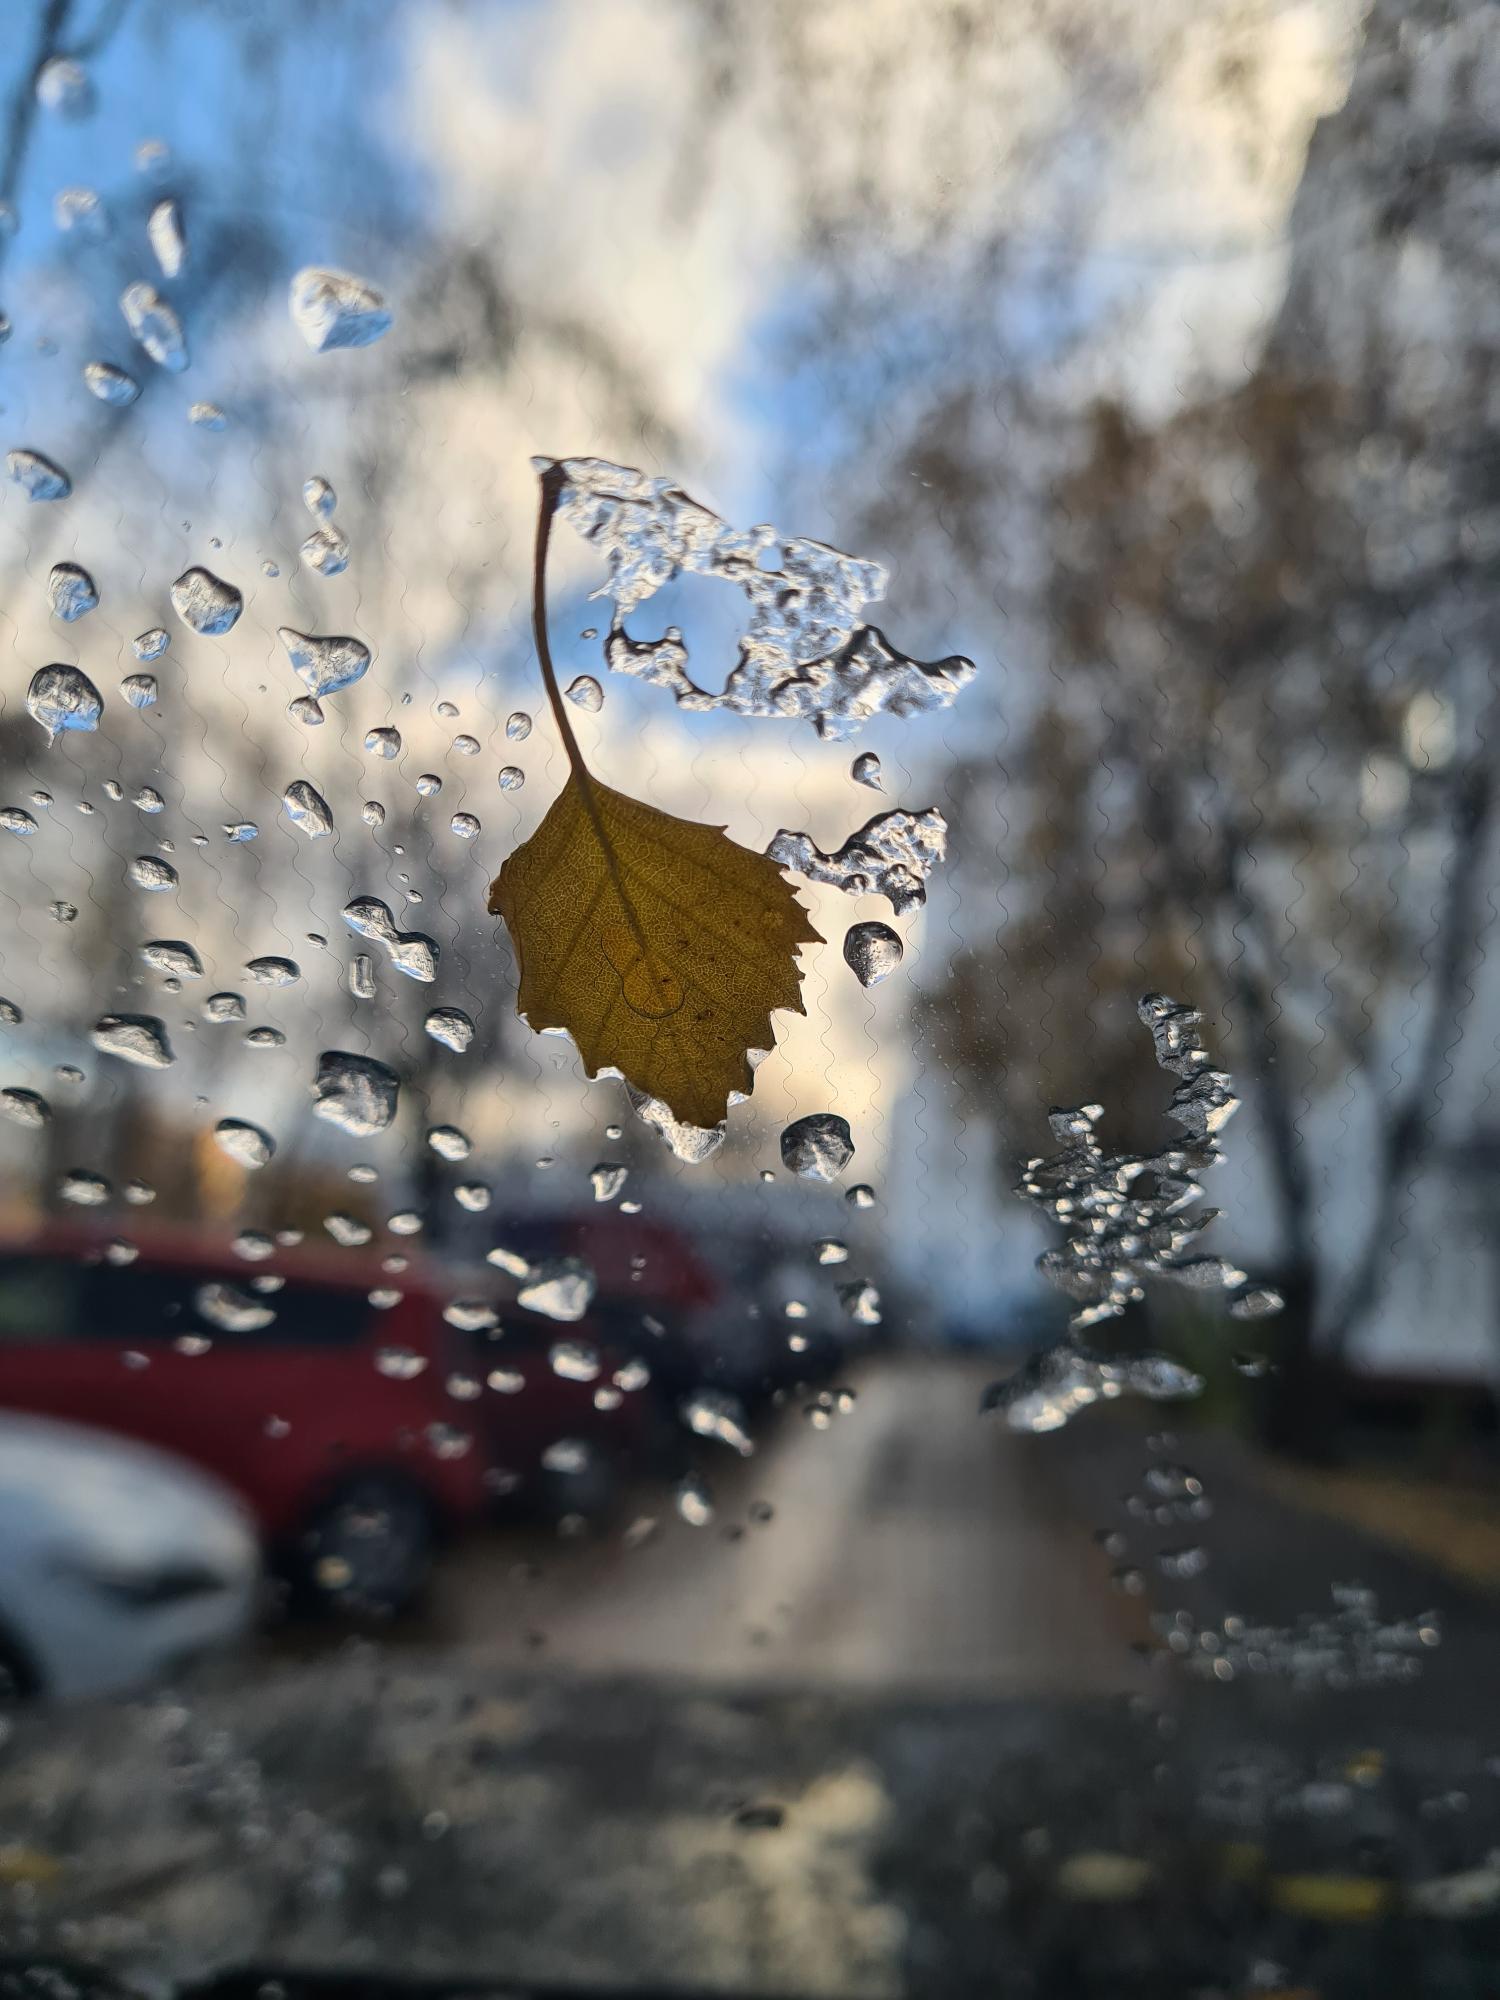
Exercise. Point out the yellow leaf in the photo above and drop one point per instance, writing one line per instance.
(660, 945)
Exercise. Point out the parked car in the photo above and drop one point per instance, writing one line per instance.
(323, 1394)
(118, 1564)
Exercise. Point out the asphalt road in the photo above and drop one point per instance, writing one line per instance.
(910, 1547)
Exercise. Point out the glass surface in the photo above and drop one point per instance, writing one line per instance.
(1016, 1509)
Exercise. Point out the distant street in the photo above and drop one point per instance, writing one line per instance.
(911, 1546)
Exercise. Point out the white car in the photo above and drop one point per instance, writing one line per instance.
(118, 1564)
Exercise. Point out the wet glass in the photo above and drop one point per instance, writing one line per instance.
(748, 1258)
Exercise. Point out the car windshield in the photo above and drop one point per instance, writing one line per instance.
(748, 1044)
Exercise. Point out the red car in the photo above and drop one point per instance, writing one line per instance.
(359, 1426)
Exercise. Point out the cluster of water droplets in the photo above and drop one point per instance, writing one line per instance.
(804, 652)
(891, 855)
(1126, 1221)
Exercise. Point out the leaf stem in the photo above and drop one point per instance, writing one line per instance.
(552, 480)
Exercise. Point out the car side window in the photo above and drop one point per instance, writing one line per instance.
(38, 1300)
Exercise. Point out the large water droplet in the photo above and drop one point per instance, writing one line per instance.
(324, 665)
(347, 1230)
(383, 742)
(273, 971)
(206, 603)
(151, 645)
(244, 1142)
(714, 1413)
(110, 384)
(140, 690)
(24, 1107)
(83, 1188)
(466, 746)
(511, 778)
(332, 309)
(518, 726)
(319, 498)
(561, 1288)
(71, 591)
(306, 710)
(817, 1147)
(151, 874)
(872, 951)
(62, 85)
(607, 1179)
(694, 1501)
(79, 211)
(220, 1007)
(475, 1196)
(326, 550)
(861, 1301)
(165, 234)
(135, 1038)
(155, 326)
(231, 1310)
(429, 784)
(172, 957)
(356, 1093)
(36, 475)
(585, 692)
(451, 1027)
(574, 1361)
(449, 1142)
(62, 698)
(307, 809)
(466, 826)
(411, 952)
(16, 819)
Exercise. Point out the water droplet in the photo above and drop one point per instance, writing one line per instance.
(561, 1288)
(165, 234)
(62, 698)
(307, 710)
(518, 726)
(135, 1038)
(206, 603)
(817, 1147)
(78, 211)
(861, 1301)
(36, 475)
(229, 1309)
(333, 309)
(239, 831)
(429, 784)
(224, 1007)
(449, 1142)
(207, 417)
(511, 779)
(307, 809)
(152, 156)
(151, 645)
(475, 1196)
(607, 1179)
(411, 952)
(71, 592)
(16, 819)
(466, 826)
(326, 551)
(274, 971)
(356, 1093)
(574, 1361)
(347, 1230)
(83, 1188)
(154, 326)
(714, 1413)
(319, 498)
(401, 1364)
(140, 690)
(405, 1222)
(865, 770)
(244, 1142)
(372, 812)
(24, 1107)
(451, 1027)
(62, 85)
(566, 1455)
(265, 1038)
(464, 746)
(694, 1501)
(152, 875)
(110, 384)
(1259, 1302)
(585, 692)
(861, 1195)
(872, 951)
(148, 800)
(325, 665)
(63, 913)
(383, 742)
